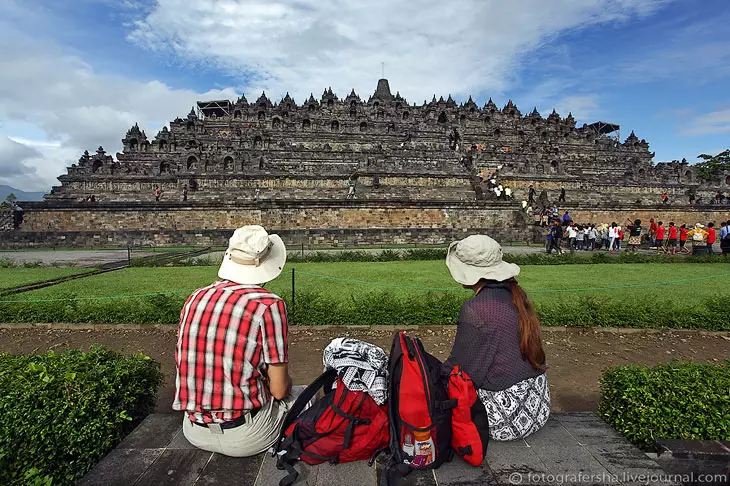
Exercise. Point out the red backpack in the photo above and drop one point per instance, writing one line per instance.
(469, 419)
(419, 410)
(342, 426)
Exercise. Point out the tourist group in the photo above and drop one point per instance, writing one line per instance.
(562, 233)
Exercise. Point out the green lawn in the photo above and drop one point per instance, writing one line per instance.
(408, 274)
(14, 277)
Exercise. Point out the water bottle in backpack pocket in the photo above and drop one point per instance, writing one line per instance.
(419, 411)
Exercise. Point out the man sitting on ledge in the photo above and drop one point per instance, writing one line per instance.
(232, 352)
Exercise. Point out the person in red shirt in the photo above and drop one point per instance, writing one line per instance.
(672, 237)
(660, 231)
(652, 232)
(683, 239)
(711, 237)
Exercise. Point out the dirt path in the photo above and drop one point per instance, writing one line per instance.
(576, 357)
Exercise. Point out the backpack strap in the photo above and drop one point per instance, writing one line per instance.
(324, 381)
(289, 449)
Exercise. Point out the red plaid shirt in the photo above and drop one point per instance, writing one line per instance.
(228, 334)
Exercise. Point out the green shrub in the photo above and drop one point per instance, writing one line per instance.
(385, 307)
(61, 413)
(583, 258)
(671, 401)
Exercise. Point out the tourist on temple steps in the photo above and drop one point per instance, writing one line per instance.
(185, 193)
(498, 340)
(562, 195)
(665, 198)
(157, 193)
(566, 218)
(232, 353)
(531, 195)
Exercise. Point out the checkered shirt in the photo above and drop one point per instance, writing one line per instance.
(228, 334)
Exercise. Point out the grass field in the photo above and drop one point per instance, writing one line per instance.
(399, 278)
(15, 277)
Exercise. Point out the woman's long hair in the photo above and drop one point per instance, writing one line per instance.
(530, 343)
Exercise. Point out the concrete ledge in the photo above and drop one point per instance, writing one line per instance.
(573, 448)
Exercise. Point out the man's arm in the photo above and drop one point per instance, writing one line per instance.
(275, 349)
(280, 382)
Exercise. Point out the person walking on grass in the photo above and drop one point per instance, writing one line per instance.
(571, 233)
(660, 232)
(652, 232)
(232, 352)
(592, 235)
(711, 238)
(634, 235)
(725, 238)
(672, 242)
(498, 340)
(683, 235)
(612, 237)
(579, 238)
(699, 239)
(556, 233)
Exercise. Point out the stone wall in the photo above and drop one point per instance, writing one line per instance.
(591, 193)
(7, 220)
(349, 238)
(326, 223)
(280, 215)
(243, 188)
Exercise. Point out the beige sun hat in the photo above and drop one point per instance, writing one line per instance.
(253, 257)
(478, 257)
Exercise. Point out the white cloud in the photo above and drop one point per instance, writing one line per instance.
(708, 124)
(461, 47)
(74, 107)
(583, 107)
(14, 157)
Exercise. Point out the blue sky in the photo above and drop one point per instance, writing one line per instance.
(74, 75)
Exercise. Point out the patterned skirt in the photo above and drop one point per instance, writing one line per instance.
(635, 240)
(518, 411)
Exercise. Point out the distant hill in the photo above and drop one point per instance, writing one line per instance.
(21, 195)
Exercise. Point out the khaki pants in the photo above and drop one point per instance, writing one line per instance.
(257, 435)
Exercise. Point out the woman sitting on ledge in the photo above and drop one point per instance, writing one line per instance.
(498, 340)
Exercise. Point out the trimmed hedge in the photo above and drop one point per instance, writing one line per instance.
(61, 413)
(580, 258)
(375, 308)
(670, 401)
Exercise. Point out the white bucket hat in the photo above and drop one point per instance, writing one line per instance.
(478, 257)
(253, 257)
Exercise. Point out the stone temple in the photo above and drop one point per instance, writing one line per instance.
(415, 169)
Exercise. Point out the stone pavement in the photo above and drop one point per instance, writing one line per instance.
(78, 258)
(573, 448)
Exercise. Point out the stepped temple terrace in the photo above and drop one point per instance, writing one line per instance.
(354, 170)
